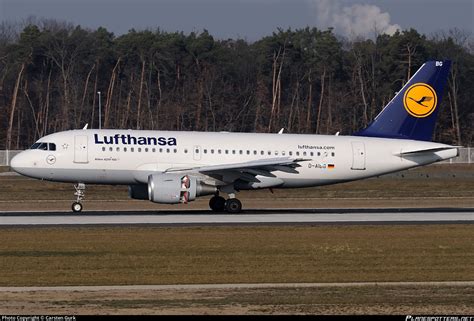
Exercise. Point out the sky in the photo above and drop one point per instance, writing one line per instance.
(251, 19)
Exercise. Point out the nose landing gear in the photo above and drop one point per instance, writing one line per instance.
(80, 194)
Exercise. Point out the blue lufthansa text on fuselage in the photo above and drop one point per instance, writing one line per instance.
(133, 140)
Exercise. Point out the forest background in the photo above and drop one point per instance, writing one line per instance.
(304, 80)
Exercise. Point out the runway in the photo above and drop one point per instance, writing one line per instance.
(248, 217)
(177, 287)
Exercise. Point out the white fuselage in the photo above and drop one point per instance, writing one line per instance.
(128, 157)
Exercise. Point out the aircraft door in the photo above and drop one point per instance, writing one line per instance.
(197, 153)
(358, 156)
(80, 149)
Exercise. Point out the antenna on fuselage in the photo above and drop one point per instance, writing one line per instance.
(85, 127)
(281, 131)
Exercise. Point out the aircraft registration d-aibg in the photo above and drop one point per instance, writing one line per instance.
(175, 167)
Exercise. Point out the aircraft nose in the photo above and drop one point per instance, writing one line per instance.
(15, 162)
(19, 162)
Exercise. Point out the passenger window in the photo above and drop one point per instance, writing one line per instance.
(319, 153)
(132, 149)
(276, 153)
(290, 153)
(103, 149)
(311, 154)
(262, 152)
(118, 149)
(269, 152)
(297, 153)
(248, 152)
(283, 153)
(197, 151)
(125, 149)
(333, 154)
(153, 150)
(304, 153)
(212, 151)
(227, 151)
(139, 149)
(110, 149)
(241, 152)
(219, 151)
(185, 150)
(146, 149)
(255, 152)
(175, 150)
(205, 151)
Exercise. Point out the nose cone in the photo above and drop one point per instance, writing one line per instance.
(31, 163)
(20, 163)
(15, 162)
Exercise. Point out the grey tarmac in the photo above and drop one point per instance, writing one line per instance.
(94, 288)
(256, 217)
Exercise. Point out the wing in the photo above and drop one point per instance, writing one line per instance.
(246, 171)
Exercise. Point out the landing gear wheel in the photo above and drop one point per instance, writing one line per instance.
(217, 204)
(76, 207)
(233, 206)
(80, 194)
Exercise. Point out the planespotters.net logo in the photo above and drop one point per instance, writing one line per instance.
(438, 318)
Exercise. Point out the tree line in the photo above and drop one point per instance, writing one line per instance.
(305, 80)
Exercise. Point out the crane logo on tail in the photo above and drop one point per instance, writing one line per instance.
(420, 100)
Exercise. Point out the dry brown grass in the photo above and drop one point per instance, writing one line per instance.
(156, 255)
(367, 299)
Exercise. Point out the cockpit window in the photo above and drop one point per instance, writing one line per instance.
(43, 146)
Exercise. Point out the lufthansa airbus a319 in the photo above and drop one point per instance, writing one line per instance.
(177, 167)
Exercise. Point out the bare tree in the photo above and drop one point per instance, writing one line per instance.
(13, 105)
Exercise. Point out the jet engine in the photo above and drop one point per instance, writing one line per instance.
(176, 188)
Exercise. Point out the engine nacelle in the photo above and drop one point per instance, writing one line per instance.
(176, 188)
(138, 192)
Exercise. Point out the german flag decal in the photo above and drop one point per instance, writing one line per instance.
(331, 166)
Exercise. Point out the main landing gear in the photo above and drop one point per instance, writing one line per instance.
(219, 204)
(80, 194)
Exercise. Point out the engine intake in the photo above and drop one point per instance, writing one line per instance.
(176, 188)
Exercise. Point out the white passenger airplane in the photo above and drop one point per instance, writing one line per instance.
(177, 167)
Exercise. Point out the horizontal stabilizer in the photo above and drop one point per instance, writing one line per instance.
(426, 150)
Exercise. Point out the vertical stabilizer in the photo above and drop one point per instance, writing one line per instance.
(412, 113)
